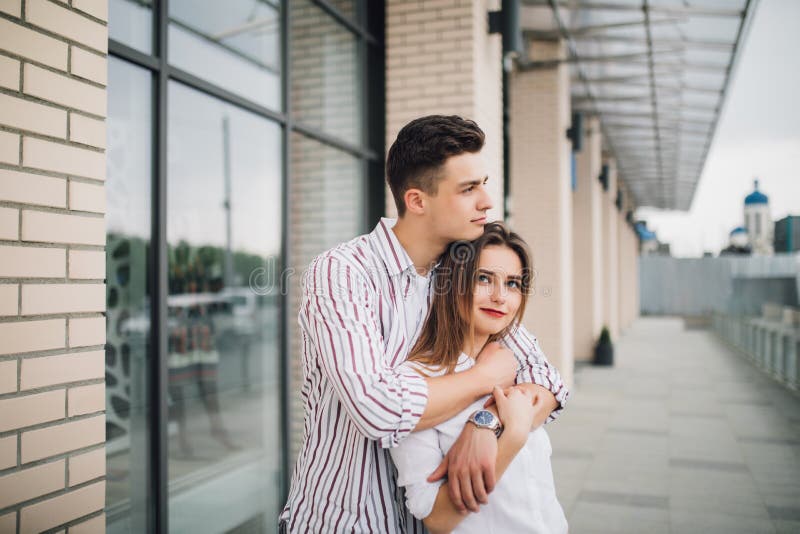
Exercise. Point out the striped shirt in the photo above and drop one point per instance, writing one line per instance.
(362, 309)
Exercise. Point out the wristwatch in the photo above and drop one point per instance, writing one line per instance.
(486, 419)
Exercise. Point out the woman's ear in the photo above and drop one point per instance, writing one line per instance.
(415, 201)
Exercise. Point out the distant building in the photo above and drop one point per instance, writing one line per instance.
(758, 221)
(648, 242)
(738, 243)
(787, 234)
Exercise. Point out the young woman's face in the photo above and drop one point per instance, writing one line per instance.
(498, 290)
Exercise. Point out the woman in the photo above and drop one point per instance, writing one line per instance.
(481, 291)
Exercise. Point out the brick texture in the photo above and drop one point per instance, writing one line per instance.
(28, 410)
(31, 188)
(53, 72)
(542, 207)
(84, 467)
(426, 73)
(9, 73)
(61, 509)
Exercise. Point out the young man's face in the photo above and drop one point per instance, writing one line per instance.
(458, 211)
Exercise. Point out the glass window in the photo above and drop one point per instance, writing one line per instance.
(327, 189)
(224, 241)
(348, 8)
(128, 356)
(131, 22)
(325, 73)
(233, 44)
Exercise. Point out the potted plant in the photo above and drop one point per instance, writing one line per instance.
(604, 350)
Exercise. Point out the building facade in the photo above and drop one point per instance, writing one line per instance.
(167, 172)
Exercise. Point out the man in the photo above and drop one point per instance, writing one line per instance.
(363, 305)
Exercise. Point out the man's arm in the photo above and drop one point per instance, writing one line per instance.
(518, 410)
(473, 451)
(449, 394)
(535, 369)
(445, 516)
(339, 318)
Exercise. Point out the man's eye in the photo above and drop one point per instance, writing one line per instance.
(469, 189)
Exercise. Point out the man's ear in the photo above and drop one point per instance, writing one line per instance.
(415, 201)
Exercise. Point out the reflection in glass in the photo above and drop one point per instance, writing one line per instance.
(233, 44)
(128, 216)
(348, 8)
(325, 72)
(327, 187)
(224, 234)
(131, 22)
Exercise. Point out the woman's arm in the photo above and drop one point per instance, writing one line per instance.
(444, 517)
(516, 411)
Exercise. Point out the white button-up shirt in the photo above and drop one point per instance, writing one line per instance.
(359, 317)
(524, 499)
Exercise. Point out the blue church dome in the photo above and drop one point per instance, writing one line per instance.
(644, 233)
(739, 230)
(756, 197)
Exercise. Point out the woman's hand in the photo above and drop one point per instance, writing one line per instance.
(544, 402)
(516, 411)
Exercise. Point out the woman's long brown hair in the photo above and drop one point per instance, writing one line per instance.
(449, 322)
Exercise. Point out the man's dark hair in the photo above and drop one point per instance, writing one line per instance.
(422, 147)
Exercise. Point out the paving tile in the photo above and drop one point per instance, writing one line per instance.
(629, 499)
(681, 435)
(787, 527)
(610, 518)
(702, 522)
(688, 463)
(784, 512)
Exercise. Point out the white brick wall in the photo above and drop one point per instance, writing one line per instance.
(323, 78)
(610, 254)
(441, 60)
(52, 265)
(587, 243)
(542, 200)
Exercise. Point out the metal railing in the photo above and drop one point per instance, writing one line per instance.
(770, 341)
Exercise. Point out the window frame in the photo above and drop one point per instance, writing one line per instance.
(368, 30)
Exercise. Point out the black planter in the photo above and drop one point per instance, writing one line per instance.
(604, 354)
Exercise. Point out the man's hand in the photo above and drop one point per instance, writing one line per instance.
(544, 402)
(497, 365)
(470, 468)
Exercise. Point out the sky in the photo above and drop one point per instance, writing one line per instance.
(758, 136)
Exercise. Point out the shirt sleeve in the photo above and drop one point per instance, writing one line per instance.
(534, 367)
(339, 318)
(415, 459)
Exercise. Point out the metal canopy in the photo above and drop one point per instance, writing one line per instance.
(656, 72)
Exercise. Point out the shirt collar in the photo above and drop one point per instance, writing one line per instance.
(390, 250)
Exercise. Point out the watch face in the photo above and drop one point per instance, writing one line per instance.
(484, 417)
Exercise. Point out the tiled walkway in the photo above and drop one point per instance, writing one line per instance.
(681, 435)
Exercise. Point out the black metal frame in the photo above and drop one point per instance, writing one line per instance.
(369, 32)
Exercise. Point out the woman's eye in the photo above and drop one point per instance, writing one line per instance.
(513, 284)
(483, 278)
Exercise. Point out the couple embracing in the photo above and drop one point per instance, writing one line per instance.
(424, 395)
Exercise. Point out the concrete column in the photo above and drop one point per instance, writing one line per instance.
(541, 209)
(631, 305)
(610, 254)
(441, 59)
(623, 275)
(587, 252)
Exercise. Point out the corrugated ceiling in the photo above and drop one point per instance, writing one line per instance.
(656, 72)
